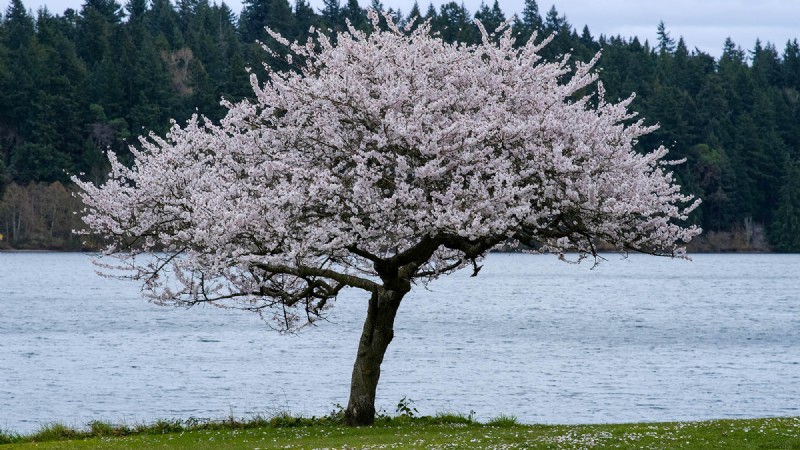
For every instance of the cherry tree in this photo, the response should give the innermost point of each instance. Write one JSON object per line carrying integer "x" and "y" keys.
{"x": 384, "y": 160}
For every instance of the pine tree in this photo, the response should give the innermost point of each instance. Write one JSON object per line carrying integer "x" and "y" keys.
{"x": 355, "y": 14}
{"x": 484, "y": 15}
{"x": 6, "y": 83}
{"x": 162, "y": 21}
{"x": 531, "y": 19}
{"x": 257, "y": 14}
{"x": 331, "y": 14}
{"x": 22, "y": 84}
{"x": 253, "y": 19}
{"x": 766, "y": 64}
{"x": 497, "y": 12}
{"x": 562, "y": 43}
{"x": 785, "y": 230}
{"x": 553, "y": 22}
{"x": 377, "y": 5}
{"x": 455, "y": 24}
{"x": 62, "y": 99}
{"x": 431, "y": 13}
{"x": 665, "y": 43}
{"x": 731, "y": 55}
{"x": 228, "y": 71}
{"x": 712, "y": 174}
{"x": 109, "y": 9}
{"x": 19, "y": 26}
{"x": 136, "y": 10}
{"x": 304, "y": 19}
{"x": 143, "y": 75}
{"x": 491, "y": 18}
{"x": 41, "y": 118}
{"x": 791, "y": 65}
{"x": 415, "y": 14}
{"x": 98, "y": 25}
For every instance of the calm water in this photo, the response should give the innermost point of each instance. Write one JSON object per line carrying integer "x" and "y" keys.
{"x": 643, "y": 339}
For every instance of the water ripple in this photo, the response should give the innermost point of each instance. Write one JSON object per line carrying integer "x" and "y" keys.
{"x": 643, "y": 339}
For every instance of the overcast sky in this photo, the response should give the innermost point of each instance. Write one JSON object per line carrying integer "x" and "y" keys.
{"x": 703, "y": 23}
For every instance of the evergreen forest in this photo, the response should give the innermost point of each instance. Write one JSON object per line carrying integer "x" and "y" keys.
{"x": 77, "y": 83}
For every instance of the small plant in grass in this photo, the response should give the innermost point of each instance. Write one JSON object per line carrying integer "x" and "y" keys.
{"x": 55, "y": 432}
{"x": 195, "y": 423}
{"x": 453, "y": 418}
{"x": 337, "y": 414}
{"x": 286, "y": 420}
{"x": 8, "y": 438}
{"x": 405, "y": 408}
{"x": 103, "y": 429}
{"x": 503, "y": 421}
{"x": 162, "y": 426}
{"x": 257, "y": 421}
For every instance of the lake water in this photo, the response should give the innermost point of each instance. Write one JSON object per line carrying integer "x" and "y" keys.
{"x": 642, "y": 339}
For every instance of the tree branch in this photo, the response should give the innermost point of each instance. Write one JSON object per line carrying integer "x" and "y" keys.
{"x": 363, "y": 253}
{"x": 306, "y": 271}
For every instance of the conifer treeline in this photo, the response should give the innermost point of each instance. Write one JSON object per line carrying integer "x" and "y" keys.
{"x": 76, "y": 83}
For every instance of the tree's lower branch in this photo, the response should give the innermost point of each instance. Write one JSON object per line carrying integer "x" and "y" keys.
{"x": 471, "y": 248}
{"x": 417, "y": 254}
{"x": 428, "y": 273}
{"x": 306, "y": 271}
{"x": 363, "y": 253}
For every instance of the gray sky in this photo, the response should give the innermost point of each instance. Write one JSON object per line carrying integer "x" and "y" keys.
{"x": 703, "y": 23}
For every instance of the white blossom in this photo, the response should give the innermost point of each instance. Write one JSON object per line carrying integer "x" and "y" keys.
{"x": 383, "y": 145}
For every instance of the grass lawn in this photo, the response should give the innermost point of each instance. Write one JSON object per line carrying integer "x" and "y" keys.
{"x": 442, "y": 432}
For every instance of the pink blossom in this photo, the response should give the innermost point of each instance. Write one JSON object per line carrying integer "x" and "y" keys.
{"x": 381, "y": 147}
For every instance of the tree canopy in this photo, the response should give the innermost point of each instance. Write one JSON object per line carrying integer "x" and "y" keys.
{"x": 384, "y": 159}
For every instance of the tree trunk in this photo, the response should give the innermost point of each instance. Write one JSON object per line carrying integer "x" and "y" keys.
{"x": 378, "y": 333}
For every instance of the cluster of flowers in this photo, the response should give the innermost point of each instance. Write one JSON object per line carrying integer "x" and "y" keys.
{"x": 388, "y": 147}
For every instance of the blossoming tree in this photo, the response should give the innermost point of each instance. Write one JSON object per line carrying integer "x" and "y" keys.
{"x": 384, "y": 160}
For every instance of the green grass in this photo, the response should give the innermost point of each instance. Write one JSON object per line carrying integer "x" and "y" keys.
{"x": 503, "y": 421}
{"x": 444, "y": 431}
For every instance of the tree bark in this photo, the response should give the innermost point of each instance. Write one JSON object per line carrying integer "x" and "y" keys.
{"x": 378, "y": 333}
